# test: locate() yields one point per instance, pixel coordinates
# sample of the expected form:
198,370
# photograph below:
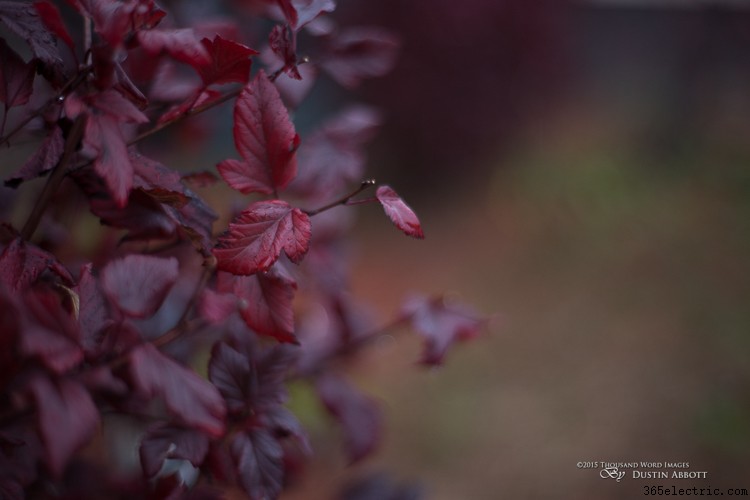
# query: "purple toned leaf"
181,44
103,140
143,216
358,415
442,324
67,419
258,458
265,138
399,212
229,370
283,42
360,53
52,20
266,304
138,284
166,442
16,77
43,160
284,424
272,366
49,333
230,61
289,11
111,18
23,19
259,234
93,313
190,398
252,377
21,264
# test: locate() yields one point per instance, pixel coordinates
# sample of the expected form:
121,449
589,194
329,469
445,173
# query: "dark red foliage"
190,398
163,442
44,159
138,284
442,323
67,419
229,61
23,19
260,233
265,138
128,336
358,415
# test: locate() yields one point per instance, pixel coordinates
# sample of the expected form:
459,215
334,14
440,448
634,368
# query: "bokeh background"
583,170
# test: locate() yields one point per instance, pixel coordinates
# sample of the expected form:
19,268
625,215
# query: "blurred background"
583,170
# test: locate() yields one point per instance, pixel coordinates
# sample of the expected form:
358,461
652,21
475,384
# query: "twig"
69,86
53,181
344,200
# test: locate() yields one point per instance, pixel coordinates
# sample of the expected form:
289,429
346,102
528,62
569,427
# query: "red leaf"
22,263
53,21
49,332
103,140
190,398
283,42
266,304
358,415
16,77
67,419
265,138
138,284
165,442
181,44
259,234
93,313
229,61
360,53
43,160
23,19
442,324
399,212
258,458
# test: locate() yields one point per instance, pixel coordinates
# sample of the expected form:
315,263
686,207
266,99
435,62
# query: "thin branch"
53,181
69,86
344,200
187,114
